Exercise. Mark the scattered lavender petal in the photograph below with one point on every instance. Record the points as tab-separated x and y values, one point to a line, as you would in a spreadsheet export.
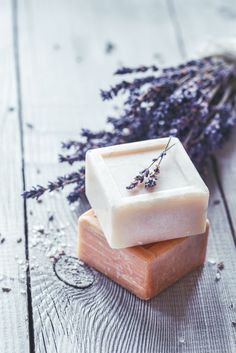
221	265
30	125
216	202
109	47
6	289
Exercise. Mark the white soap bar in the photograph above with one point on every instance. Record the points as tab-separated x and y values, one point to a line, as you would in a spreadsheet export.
174	208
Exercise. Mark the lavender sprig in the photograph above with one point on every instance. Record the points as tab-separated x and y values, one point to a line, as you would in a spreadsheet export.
148	175
194	101
77	178
142	68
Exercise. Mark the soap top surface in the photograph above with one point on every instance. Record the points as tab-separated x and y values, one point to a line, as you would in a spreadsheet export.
121	163
124	166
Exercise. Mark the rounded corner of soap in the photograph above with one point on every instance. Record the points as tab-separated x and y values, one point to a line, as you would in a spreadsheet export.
111	240
203	191
88	154
175	139
206	193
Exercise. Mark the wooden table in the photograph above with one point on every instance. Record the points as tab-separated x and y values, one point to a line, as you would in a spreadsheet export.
53	60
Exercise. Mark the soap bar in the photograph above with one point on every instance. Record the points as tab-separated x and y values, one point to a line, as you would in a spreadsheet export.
144	270
175	207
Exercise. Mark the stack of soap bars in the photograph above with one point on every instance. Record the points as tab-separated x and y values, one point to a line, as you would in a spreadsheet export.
145	239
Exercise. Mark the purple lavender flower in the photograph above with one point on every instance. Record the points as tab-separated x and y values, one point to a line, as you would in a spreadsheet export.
194	101
149	174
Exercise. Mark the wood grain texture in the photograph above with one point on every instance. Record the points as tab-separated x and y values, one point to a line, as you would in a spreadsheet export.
63	64
13	304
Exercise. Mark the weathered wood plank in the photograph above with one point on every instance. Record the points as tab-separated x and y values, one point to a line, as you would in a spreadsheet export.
13	304
217	21
60	88
202	22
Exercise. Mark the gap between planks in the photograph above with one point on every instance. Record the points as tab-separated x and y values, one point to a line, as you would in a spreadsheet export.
14	4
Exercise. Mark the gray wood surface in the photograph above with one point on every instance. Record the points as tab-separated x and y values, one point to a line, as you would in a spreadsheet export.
61	64
13	304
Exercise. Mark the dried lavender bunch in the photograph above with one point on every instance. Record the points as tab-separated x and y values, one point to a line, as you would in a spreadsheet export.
148	175
194	101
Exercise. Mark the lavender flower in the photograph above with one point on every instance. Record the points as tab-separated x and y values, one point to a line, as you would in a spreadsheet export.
194	101
128	70
77	178
148	175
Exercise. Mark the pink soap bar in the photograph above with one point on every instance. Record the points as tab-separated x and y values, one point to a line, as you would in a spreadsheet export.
144	270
